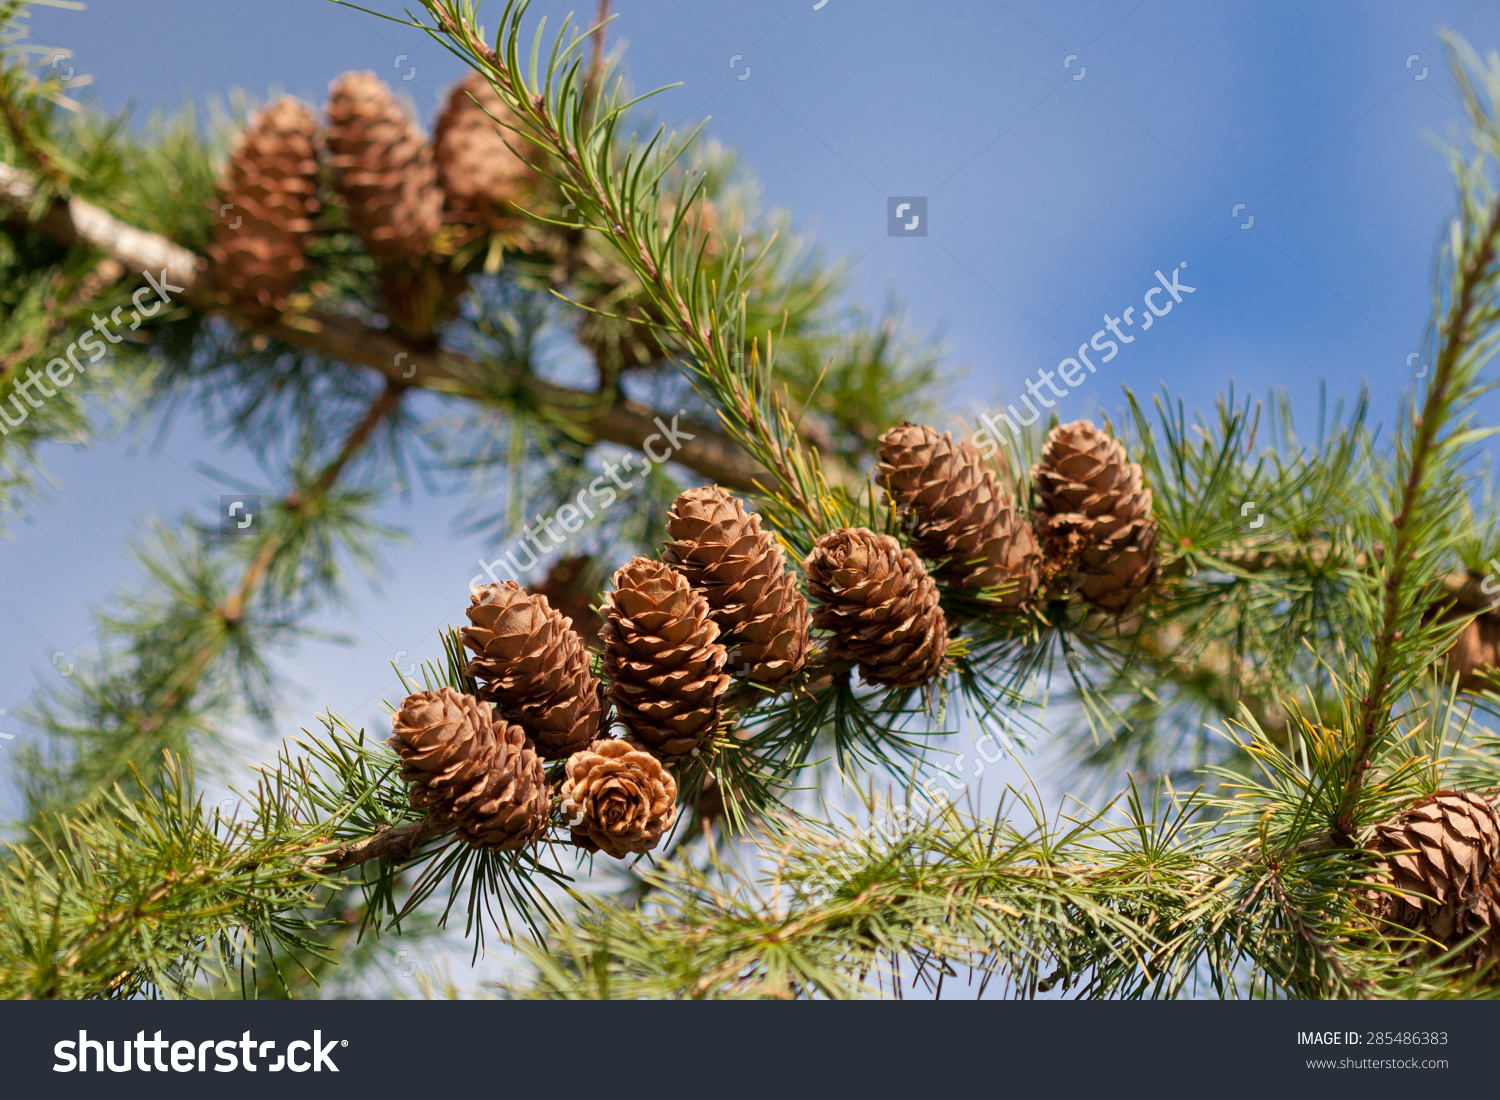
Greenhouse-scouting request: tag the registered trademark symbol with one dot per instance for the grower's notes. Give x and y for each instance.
(343, 1042)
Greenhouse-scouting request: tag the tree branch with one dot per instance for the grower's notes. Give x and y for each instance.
(396, 844)
(622, 421)
(1457, 336)
(1464, 588)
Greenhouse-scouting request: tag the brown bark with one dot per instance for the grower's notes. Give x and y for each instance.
(397, 845)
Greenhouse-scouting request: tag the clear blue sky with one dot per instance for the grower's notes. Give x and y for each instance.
(1051, 202)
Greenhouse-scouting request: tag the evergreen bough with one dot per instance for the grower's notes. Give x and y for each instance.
(1312, 648)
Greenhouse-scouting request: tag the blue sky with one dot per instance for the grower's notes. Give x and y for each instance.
(1051, 202)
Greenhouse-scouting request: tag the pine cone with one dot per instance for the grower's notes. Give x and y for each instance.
(710, 805)
(1475, 654)
(960, 514)
(533, 666)
(619, 326)
(470, 771)
(880, 605)
(570, 587)
(1095, 516)
(1440, 859)
(701, 226)
(741, 571)
(624, 800)
(663, 657)
(384, 169)
(270, 186)
(515, 806)
(480, 175)
(1485, 951)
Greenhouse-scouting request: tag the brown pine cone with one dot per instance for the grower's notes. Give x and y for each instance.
(880, 605)
(663, 657)
(470, 771)
(621, 327)
(622, 797)
(700, 228)
(1484, 953)
(384, 169)
(515, 806)
(960, 514)
(741, 571)
(446, 746)
(1475, 654)
(267, 199)
(710, 805)
(534, 667)
(481, 176)
(1440, 858)
(570, 587)
(618, 325)
(1094, 516)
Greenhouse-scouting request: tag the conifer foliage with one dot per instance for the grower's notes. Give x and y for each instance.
(828, 587)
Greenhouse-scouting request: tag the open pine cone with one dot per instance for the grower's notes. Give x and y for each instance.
(1439, 872)
(1094, 516)
(471, 771)
(268, 197)
(534, 667)
(623, 799)
(741, 571)
(880, 605)
(663, 657)
(960, 514)
(384, 169)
